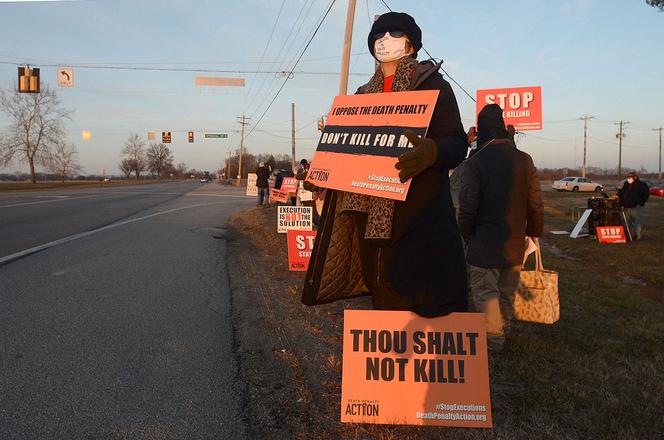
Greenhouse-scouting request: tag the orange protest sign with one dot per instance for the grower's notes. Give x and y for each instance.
(522, 106)
(289, 185)
(400, 368)
(277, 195)
(300, 245)
(611, 234)
(363, 138)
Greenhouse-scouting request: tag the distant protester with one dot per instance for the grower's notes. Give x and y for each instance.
(406, 255)
(500, 203)
(262, 184)
(633, 196)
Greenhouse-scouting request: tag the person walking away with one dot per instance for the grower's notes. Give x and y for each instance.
(500, 203)
(633, 196)
(262, 176)
(407, 255)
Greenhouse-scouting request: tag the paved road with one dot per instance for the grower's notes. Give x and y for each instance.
(120, 327)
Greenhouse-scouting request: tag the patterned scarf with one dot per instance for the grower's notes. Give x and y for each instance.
(380, 211)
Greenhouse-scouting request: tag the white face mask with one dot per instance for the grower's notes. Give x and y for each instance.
(630, 180)
(388, 48)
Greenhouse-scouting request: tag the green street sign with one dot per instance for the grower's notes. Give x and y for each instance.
(216, 135)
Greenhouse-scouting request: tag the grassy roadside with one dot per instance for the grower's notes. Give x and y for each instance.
(599, 372)
(53, 185)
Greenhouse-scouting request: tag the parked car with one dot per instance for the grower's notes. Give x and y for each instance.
(576, 184)
(657, 189)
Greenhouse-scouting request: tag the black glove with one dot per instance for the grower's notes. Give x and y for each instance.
(310, 186)
(419, 159)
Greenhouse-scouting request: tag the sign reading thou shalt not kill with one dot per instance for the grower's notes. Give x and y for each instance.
(363, 138)
(401, 368)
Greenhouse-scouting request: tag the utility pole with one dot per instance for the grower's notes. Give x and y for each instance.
(659, 172)
(620, 135)
(243, 121)
(585, 136)
(293, 135)
(348, 40)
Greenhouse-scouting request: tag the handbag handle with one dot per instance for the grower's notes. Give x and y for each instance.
(539, 266)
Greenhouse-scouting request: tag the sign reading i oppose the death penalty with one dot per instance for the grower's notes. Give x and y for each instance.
(294, 217)
(364, 136)
(400, 368)
(252, 190)
(300, 246)
(522, 106)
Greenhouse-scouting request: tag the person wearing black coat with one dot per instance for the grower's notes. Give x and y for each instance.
(500, 203)
(419, 264)
(262, 184)
(633, 196)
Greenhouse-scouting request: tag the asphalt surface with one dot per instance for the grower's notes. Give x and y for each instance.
(119, 327)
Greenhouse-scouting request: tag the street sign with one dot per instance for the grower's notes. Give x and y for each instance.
(65, 76)
(28, 80)
(166, 137)
(215, 81)
(216, 135)
(190, 137)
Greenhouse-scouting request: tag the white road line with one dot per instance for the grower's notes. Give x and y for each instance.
(45, 201)
(69, 238)
(118, 192)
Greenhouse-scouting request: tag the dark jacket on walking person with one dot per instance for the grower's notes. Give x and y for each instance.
(500, 200)
(634, 194)
(419, 266)
(262, 176)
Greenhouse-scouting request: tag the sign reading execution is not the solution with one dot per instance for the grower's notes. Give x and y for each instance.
(363, 138)
(294, 217)
(400, 368)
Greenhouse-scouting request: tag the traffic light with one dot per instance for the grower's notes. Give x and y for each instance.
(165, 137)
(28, 80)
(190, 136)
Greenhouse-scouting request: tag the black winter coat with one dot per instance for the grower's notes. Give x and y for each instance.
(634, 195)
(500, 203)
(421, 268)
(262, 176)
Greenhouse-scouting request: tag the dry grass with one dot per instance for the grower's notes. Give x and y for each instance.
(597, 373)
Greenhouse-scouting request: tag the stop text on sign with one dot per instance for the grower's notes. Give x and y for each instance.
(522, 106)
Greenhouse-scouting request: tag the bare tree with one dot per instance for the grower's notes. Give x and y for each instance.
(63, 162)
(182, 169)
(160, 159)
(36, 126)
(134, 151)
(126, 167)
(656, 4)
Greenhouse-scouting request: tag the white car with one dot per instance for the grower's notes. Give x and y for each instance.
(576, 184)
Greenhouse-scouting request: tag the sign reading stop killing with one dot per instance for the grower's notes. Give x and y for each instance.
(400, 368)
(522, 106)
(363, 138)
(300, 246)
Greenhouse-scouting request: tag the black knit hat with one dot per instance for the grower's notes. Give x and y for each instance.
(490, 125)
(393, 21)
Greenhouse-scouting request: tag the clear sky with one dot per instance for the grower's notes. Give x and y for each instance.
(601, 58)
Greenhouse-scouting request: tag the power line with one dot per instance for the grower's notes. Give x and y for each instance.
(175, 69)
(294, 66)
(274, 26)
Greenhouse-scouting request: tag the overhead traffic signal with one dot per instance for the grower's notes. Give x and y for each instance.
(165, 137)
(190, 136)
(28, 80)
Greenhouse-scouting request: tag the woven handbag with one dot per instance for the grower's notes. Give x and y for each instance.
(537, 295)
